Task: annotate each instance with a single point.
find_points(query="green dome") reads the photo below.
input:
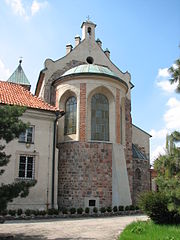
(90, 69)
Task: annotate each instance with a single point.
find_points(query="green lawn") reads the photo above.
(150, 231)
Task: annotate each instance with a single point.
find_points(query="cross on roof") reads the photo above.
(88, 18)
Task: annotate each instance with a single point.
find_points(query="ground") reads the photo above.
(107, 228)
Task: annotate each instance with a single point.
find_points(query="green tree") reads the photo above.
(168, 170)
(11, 127)
(175, 74)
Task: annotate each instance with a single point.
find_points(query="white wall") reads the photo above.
(42, 149)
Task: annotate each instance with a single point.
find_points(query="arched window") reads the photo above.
(99, 118)
(138, 174)
(70, 116)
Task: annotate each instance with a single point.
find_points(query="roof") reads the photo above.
(142, 130)
(90, 68)
(15, 94)
(137, 153)
(19, 76)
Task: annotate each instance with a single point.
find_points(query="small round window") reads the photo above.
(89, 60)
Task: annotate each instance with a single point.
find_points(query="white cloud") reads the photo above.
(167, 86)
(163, 72)
(36, 6)
(172, 116)
(21, 10)
(17, 8)
(4, 72)
(161, 134)
(159, 150)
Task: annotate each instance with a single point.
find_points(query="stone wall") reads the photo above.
(85, 170)
(128, 151)
(141, 177)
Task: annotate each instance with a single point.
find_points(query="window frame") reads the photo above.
(23, 137)
(26, 170)
(70, 116)
(99, 125)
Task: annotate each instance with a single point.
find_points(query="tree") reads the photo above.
(10, 128)
(175, 74)
(168, 170)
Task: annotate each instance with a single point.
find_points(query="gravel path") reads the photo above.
(107, 228)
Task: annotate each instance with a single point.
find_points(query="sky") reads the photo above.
(143, 38)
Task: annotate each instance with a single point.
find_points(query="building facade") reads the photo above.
(103, 158)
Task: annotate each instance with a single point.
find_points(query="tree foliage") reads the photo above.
(168, 170)
(10, 128)
(174, 70)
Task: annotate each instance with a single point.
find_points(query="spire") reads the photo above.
(19, 77)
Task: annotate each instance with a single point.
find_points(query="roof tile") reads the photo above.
(15, 94)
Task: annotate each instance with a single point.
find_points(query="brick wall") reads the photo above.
(143, 184)
(85, 170)
(128, 151)
(82, 129)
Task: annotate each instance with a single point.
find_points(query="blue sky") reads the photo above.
(142, 36)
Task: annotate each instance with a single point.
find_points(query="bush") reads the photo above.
(127, 208)
(80, 210)
(19, 212)
(102, 209)
(12, 212)
(64, 211)
(87, 210)
(72, 210)
(95, 210)
(115, 209)
(28, 212)
(109, 209)
(52, 211)
(132, 208)
(4, 212)
(155, 205)
(42, 213)
(121, 208)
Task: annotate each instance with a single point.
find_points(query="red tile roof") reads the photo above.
(15, 94)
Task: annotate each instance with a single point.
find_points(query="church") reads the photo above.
(101, 159)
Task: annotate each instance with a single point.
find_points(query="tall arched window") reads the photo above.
(70, 116)
(99, 118)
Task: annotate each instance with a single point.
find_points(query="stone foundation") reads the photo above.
(85, 171)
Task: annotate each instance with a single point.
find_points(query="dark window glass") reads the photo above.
(138, 174)
(26, 167)
(27, 136)
(99, 118)
(70, 116)
(92, 203)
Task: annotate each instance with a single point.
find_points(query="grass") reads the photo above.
(147, 230)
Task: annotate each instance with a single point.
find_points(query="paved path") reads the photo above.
(107, 228)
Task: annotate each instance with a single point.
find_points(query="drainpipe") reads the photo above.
(58, 115)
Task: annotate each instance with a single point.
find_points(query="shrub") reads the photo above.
(154, 204)
(12, 212)
(132, 207)
(80, 210)
(72, 210)
(42, 212)
(127, 208)
(109, 209)
(64, 211)
(28, 212)
(19, 212)
(95, 210)
(102, 209)
(121, 208)
(115, 209)
(4, 212)
(87, 210)
(52, 211)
